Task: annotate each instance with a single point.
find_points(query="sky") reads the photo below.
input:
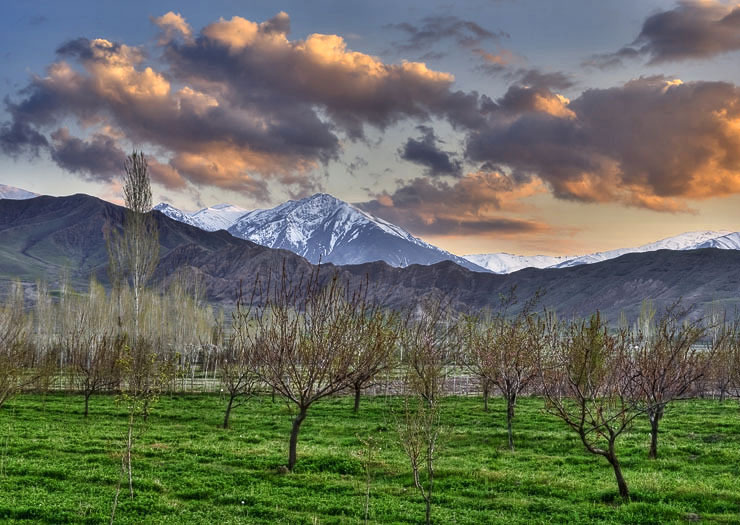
(520, 126)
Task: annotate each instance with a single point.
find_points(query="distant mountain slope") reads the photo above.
(41, 237)
(324, 228)
(10, 192)
(507, 263)
(211, 219)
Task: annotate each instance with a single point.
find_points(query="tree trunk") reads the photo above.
(228, 411)
(485, 396)
(358, 391)
(655, 415)
(429, 511)
(87, 402)
(294, 437)
(621, 483)
(510, 407)
(129, 446)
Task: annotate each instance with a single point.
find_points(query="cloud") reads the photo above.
(172, 24)
(693, 29)
(234, 105)
(257, 66)
(433, 29)
(424, 152)
(472, 205)
(98, 158)
(533, 77)
(17, 137)
(521, 100)
(651, 143)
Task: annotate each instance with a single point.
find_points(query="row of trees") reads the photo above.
(307, 340)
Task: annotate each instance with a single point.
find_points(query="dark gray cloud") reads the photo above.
(433, 29)
(18, 137)
(534, 77)
(691, 30)
(425, 152)
(37, 20)
(98, 158)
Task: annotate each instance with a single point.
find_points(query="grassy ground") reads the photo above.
(57, 468)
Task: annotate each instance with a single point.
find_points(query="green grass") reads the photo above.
(57, 468)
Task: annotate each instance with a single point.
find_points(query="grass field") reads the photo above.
(56, 467)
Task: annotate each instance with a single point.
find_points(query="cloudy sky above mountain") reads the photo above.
(481, 126)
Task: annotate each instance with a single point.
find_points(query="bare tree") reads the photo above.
(302, 339)
(237, 372)
(587, 382)
(733, 363)
(95, 363)
(375, 334)
(721, 372)
(429, 343)
(504, 353)
(667, 361)
(17, 361)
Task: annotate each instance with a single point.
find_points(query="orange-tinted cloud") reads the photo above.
(652, 143)
(477, 204)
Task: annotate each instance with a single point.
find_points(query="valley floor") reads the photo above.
(56, 467)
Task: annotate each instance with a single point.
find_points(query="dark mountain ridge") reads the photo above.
(44, 237)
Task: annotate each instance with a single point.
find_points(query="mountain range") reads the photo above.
(44, 237)
(507, 263)
(322, 228)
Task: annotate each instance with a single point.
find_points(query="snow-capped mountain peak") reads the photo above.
(13, 193)
(731, 241)
(324, 228)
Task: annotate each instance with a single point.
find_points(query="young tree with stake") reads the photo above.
(428, 339)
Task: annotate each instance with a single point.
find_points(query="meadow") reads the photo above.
(58, 467)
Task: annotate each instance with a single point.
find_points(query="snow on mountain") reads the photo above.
(10, 192)
(218, 217)
(213, 218)
(322, 227)
(175, 213)
(730, 241)
(684, 241)
(507, 263)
